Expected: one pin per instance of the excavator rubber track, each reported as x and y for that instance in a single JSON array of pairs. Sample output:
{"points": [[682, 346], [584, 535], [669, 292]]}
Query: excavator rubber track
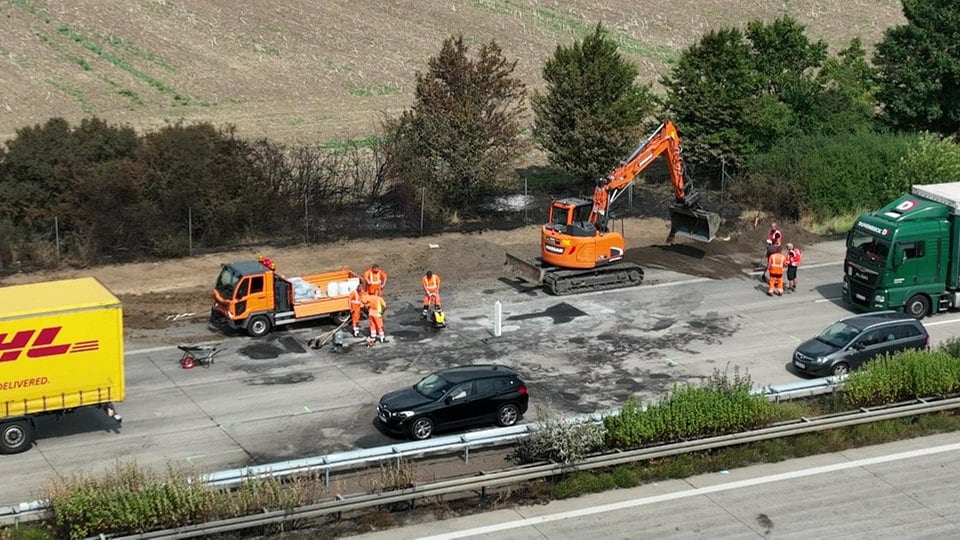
{"points": [[612, 276]]}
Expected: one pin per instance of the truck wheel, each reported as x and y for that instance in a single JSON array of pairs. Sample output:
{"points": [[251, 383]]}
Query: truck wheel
{"points": [[918, 306], [340, 317], [15, 437], [259, 326]]}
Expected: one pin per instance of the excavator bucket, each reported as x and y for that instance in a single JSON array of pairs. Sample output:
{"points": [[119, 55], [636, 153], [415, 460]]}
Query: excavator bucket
{"points": [[692, 223], [526, 270]]}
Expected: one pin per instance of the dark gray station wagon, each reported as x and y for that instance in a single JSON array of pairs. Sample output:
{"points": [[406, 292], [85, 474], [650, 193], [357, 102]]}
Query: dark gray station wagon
{"points": [[851, 342]]}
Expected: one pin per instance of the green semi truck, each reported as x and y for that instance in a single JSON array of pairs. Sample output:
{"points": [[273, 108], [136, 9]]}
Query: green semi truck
{"points": [[906, 256]]}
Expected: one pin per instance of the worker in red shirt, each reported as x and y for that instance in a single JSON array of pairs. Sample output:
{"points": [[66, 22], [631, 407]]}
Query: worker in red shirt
{"points": [[375, 279], [794, 256], [776, 264], [356, 309], [431, 292]]}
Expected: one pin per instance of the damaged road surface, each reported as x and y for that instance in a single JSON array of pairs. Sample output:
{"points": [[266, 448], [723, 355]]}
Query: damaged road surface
{"points": [[274, 399]]}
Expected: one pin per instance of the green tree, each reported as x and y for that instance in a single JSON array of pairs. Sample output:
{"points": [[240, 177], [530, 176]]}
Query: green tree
{"points": [[461, 138], [735, 94], [930, 160], [919, 68], [591, 114]]}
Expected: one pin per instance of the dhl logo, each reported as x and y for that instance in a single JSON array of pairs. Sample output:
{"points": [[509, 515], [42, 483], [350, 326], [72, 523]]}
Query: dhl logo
{"points": [[42, 345]]}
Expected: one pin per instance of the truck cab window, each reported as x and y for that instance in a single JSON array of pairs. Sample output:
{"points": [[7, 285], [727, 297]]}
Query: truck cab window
{"points": [[256, 284], [243, 288], [913, 250]]}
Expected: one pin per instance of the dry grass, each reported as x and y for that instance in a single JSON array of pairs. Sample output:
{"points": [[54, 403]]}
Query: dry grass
{"points": [[314, 72]]}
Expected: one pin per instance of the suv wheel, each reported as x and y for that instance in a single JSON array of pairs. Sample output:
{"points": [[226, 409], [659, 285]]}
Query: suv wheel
{"points": [[421, 428], [508, 415], [918, 306], [840, 370]]}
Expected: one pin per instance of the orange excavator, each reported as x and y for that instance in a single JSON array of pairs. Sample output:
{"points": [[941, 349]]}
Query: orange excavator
{"points": [[579, 252]]}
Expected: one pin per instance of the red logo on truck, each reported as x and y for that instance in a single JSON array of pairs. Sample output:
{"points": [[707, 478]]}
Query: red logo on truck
{"points": [[42, 345]]}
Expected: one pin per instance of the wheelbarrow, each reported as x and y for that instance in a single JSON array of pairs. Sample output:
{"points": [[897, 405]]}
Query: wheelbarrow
{"points": [[195, 355]]}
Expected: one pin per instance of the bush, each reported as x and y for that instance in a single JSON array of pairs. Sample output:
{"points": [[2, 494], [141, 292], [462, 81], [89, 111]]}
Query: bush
{"points": [[557, 439], [831, 174], [723, 405], [903, 376], [132, 499]]}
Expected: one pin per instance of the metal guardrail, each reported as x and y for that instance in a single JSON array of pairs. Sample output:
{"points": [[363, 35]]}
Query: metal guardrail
{"points": [[544, 470], [451, 444]]}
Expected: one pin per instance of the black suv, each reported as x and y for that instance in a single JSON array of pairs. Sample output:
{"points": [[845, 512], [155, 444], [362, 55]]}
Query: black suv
{"points": [[851, 342], [455, 398]]}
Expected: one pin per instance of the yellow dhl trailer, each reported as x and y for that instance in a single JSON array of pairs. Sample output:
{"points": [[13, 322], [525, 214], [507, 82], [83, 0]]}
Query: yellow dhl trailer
{"points": [[61, 348]]}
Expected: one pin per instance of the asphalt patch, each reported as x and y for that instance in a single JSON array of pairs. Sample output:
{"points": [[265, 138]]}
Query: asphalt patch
{"points": [[261, 351], [560, 313], [291, 345], [406, 335], [289, 378]]}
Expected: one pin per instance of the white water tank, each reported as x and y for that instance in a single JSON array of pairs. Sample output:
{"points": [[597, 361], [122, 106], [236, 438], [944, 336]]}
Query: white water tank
{"points": [[332, 288], [348, 286]]}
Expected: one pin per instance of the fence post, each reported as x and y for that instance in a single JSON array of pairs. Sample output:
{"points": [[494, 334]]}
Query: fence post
{"points": [[56, 233], [497, 318], [723, 178], [526, 199], [306, 219], [190, 230], [423, 203], [630, 196]]}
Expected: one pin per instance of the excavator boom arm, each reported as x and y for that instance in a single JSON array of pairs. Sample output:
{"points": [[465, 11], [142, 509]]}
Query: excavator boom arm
{"points": [[664, 140]]}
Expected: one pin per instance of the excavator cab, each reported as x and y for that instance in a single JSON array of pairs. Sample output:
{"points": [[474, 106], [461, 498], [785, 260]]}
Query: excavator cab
{"points": [[693, 223], [572, 216]]}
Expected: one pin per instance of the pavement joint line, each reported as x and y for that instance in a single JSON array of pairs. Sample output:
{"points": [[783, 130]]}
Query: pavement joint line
{"points": [[696, 492], [828, 299], [938, 323]]}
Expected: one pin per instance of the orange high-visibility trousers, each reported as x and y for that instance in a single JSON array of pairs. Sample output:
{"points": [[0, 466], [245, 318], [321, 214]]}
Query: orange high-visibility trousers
{"points": [[775, 284]]}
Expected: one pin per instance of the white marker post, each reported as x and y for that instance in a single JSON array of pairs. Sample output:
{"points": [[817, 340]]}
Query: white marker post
{"points": [[497, 318]]}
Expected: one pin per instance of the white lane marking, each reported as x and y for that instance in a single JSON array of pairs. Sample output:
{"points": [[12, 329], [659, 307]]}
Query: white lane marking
{"points": [[696, 492], [829, 299], [938, 323], [818, 265]]}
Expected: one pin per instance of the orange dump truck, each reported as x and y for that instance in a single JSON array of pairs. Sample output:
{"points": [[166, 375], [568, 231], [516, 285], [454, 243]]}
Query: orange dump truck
{"points": [[254, 297], [61, 348]]}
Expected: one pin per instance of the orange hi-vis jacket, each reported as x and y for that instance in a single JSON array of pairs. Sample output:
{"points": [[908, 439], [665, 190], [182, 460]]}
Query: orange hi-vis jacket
{"points": [[777, 262], [355, 299], [377, 305], [375, 279], [430, 285]]}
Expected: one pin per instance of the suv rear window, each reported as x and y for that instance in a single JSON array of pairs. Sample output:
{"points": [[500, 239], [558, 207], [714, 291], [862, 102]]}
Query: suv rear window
{"points": [[505, 384]]}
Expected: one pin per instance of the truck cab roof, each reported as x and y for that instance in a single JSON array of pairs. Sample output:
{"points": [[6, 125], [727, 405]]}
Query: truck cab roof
{"points": [[245, 268]]}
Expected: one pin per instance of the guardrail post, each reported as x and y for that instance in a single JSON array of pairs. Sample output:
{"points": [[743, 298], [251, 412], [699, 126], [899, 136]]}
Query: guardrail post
{"points": [[326, 477], [466, 454]]}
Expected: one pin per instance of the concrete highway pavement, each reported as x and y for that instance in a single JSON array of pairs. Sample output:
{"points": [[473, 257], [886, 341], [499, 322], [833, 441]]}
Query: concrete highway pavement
{"points": [[273, 399], [899, 490]]}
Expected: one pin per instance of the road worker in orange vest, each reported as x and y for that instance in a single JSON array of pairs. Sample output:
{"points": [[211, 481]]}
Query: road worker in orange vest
{"points": [[375, 307], [776, 264], [431, 292], [375, 279], [356, 309]]}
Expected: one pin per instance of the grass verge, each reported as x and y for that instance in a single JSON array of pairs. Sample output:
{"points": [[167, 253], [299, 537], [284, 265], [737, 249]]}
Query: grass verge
{"points": [[771, 451]]}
